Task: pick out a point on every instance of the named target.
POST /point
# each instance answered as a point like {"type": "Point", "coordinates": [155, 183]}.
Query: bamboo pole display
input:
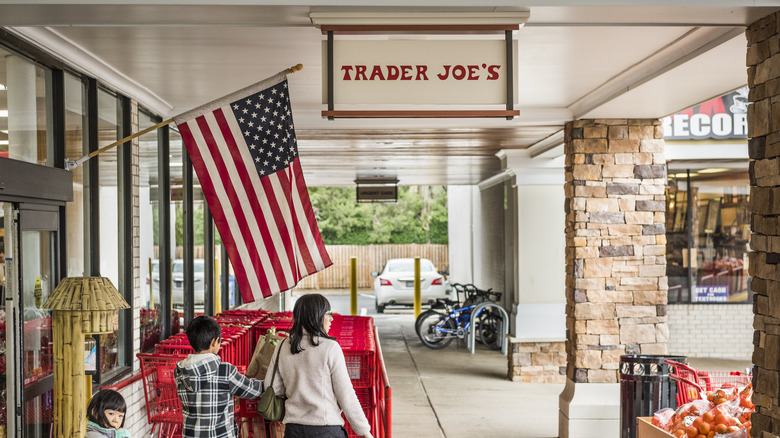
{"type": "Point", "coordinates": [80, 305]}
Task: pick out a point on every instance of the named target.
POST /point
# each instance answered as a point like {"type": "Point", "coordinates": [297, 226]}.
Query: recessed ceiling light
{"type": "Point", "coordinates": [714, 170]}
{"type": "Point", "coordinates": [2, 87]}
{"type": "Point", "coordinates": [683, 175]}
{"type": "Point", "coordinates": [3, 142]}
{"type": "Point", "coordinates": [3, 113]}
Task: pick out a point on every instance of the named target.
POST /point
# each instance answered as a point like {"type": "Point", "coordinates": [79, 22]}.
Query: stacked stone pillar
{"type": "Point", "coordinates": [616, 282]}
{"type": "Point", "coordinates": [763, 61]}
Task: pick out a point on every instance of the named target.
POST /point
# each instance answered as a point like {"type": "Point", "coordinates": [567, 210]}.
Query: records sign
{"type": "Point", "coordinates": [720, 118]}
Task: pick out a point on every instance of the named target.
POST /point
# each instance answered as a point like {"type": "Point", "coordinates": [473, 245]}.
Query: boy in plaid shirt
{"type": "Point", "coordinates": [206, 385]}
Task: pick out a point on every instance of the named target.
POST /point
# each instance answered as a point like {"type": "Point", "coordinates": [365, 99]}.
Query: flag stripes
{"type": "Point", "coordinates": [252, 180]}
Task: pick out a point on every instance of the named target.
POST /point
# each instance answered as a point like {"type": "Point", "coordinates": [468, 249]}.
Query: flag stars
{"type": "Point", "coordinates": [266, 123]}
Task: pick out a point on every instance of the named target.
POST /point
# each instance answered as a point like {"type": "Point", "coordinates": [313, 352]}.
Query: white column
{"type": "Point", "coordinates": [541, 244]}
{"type": "Point", "coordinates": [460, 213]}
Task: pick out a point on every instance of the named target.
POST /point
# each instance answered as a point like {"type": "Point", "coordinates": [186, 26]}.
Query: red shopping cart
{"type": "Point", "coordinates": [692, 384]}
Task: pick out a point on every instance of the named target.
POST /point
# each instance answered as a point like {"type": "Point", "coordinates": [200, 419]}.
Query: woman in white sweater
{"type": "Point", "coordinates": [313, 376]}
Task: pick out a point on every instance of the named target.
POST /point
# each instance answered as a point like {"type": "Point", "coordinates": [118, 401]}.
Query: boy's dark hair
{"type": "Point", "coordinates": [201, 331]}
{"type": "Point", "coordinates": [308, 312]}
{"type": "Point", "coordinates": [105, 399]}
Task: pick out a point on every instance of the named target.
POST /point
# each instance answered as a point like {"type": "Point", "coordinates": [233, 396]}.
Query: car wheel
{"type": "Point", "coordinates": [380, 308]}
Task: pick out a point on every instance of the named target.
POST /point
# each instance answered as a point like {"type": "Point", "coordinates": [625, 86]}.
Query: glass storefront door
{"type": "Point", "coordinates": [31, 241]}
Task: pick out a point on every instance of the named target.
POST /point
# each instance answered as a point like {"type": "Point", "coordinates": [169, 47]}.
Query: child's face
{"type": "Point", "coordinates": [114, 418]}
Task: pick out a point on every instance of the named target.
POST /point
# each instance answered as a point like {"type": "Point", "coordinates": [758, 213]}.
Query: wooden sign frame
{"type": "Point", "coordinates": [331, 113]}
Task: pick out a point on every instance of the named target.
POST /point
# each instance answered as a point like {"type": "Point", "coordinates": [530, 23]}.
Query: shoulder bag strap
{"type": "Point", "coordinates": [276, 364]}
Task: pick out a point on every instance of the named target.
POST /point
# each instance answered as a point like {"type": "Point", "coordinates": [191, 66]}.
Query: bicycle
{"type": "Point", "coordinates": [446, 319]}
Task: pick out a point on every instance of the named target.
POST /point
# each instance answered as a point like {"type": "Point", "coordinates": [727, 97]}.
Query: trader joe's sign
{"type": "Point", "coordinates": [419, 72]}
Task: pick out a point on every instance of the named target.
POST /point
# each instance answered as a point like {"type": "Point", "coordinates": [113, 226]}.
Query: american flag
{"type": "Point", "coordinates": [244, 151]}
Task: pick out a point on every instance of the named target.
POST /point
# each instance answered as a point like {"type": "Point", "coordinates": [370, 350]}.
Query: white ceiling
{"type": "Point", "coordinates": [577, 58]}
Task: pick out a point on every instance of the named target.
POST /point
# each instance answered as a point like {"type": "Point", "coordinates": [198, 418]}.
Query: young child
{"type": "Point", "coordinates": [206, 385]}
{"type": "Point", "coordinates": [106, 415]}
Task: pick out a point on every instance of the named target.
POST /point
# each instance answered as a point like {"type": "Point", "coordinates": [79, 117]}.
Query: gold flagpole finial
{"type": "Point", "coordinates": [293, 69]}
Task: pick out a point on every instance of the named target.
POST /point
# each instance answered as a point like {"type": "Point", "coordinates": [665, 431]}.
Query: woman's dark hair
{"type": "Point", "coordinates": [308, 314]}
{"type": "Point", "coordinates": [105, 399]}
{"type": "Point", "coordinates": [202, 331]}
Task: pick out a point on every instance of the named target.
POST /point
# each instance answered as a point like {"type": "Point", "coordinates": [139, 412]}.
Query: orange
{"type": "Point", "coordinates": [691, 431]}
{"type": "Point", "coordinates": [704, 428]}
{"type": "Point", "coordinates": [680, 433]}
{"type": "Point", "coordinates": [720, 428]}
{"type": "Point", "coordinates": [708, 417]}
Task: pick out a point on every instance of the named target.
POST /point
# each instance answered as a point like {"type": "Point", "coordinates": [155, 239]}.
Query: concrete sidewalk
{"type": "Point", "coordinates": [451, 393]}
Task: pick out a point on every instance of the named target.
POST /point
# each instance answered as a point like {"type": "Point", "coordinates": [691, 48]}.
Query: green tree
{"type": "Point", "coordinates": [419, 216]}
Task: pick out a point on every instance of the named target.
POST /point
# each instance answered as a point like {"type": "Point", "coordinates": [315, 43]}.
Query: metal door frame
{"type": "Point", "coordinates": [24, 216]}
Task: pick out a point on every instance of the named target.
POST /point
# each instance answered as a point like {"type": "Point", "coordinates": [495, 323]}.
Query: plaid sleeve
{"type": "Point", "coordinates": [242, 386]}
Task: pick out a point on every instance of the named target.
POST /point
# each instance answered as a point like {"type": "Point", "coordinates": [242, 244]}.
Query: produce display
{"type": "Point", "coordinates": [723, 413]}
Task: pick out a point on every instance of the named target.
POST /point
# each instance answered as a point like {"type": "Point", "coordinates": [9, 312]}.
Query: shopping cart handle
{"type": "Point", "coordinates": [678, 378]}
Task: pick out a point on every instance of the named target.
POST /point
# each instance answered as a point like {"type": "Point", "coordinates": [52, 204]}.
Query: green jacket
{"type": "Point", "coordinates": [95, 431]}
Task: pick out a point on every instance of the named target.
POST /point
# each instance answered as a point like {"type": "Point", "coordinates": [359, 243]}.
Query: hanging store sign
{"type": "Point", "coordinates": [419, 72]}
{"type": "Point", "coordinates": [419, 77]}
{"type": "Point", "coordinates": [377, 194]}
{"type": "Point", "coordinates": [719, 118]}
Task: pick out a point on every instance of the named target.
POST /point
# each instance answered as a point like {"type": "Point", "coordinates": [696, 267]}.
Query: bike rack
{"type": "Point", "coordinates": [471, 337]}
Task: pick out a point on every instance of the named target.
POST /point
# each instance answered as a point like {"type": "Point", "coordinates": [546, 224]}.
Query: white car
{"type": "Point", "coordinates": [395, 284]}
{"type": "Point", "coordinates": [177, 292]}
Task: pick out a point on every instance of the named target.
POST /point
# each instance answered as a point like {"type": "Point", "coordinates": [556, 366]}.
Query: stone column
{"type": "Point", "coordinates": [616, 280]}
{"type": "Point", "coordinates": [763, 115]}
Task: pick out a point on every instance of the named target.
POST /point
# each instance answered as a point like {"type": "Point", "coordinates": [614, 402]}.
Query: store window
{"type": "Point", "coordinates": [23, 114]}
{"type": "Point", "coordinates": [150, 267]}
{"type": "Point", "coordinates": [108, 132]}
{"type": "Point", "coordinates": [75, 112]}
{"type": "Point", "coordinates": [707, 238]}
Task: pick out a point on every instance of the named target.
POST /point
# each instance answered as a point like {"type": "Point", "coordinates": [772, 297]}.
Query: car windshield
{"type": "Point", "coordinates": [178, 266]}
{"type": "Point", "coordinates": [408, 266]}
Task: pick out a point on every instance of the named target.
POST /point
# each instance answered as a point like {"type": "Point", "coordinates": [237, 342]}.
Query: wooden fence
{"type": "Point", "coordinates": [369, 258]}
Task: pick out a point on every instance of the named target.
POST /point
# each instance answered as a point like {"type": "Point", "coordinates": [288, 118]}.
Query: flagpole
{"type": "Point", "coordinates": [70, 165]}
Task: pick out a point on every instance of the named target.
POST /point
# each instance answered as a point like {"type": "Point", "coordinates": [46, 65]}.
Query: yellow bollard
{"type": "Point", "coordinates": [353, 286]}
{"type": "Point", "coordinates": [151, 285]}
{"type": "Point", "coordinates": [217, 299]}
{"type": "Point", "coordinates": [417, 296]}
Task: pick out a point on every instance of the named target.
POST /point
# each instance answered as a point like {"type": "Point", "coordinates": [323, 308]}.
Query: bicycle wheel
{"type": "Point", "coordinates": [428, 327]}
{"type": "Point", "coordinates": [489, 329]}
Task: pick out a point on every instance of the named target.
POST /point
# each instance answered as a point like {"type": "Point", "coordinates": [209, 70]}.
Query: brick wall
{"type": "Point", "coordinates": [763, 61]}
{"type": "Point", "coordinates": [721, 331]}
{"type": "Point", "coordinates": [616, 280]}
{"type": "Point", "coordinates": [136, 421]}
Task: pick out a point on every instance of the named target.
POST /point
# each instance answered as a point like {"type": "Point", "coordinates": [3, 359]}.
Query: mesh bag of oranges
{"type": "Point", "coordinates": [723, 413]}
